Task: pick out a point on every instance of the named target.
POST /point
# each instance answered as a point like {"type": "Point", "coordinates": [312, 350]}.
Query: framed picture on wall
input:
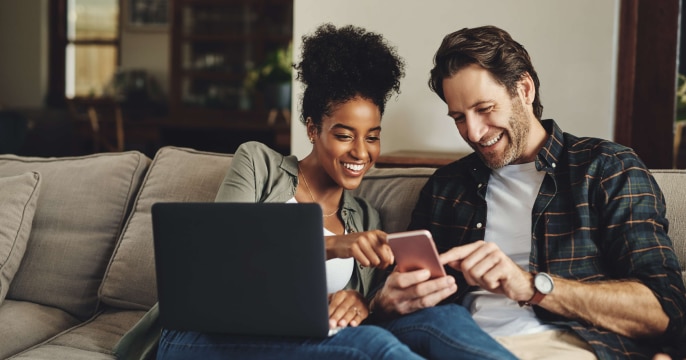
{"type": "Point", "coordinates": [146, 15]}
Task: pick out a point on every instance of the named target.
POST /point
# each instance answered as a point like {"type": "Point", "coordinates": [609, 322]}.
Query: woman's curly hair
{"type": "Point", "coordinates": [339, 64]}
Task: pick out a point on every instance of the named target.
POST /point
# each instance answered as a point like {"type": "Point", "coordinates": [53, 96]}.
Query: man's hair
{"type": "Point", "coordinates": [339, 64]}
{"type": "Point", "coordinates": [491, 48]}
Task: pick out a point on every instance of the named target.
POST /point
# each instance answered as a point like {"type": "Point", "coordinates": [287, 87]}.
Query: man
{"type": "Point", "coordinates": [558, 244]}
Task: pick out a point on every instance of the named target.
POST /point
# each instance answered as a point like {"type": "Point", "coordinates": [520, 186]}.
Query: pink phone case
{"type": "Point", "coordinates": [414, 250]}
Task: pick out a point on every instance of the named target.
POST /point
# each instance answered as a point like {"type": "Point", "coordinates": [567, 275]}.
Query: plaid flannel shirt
{"type": "Point", "coordinates": [599, 215]}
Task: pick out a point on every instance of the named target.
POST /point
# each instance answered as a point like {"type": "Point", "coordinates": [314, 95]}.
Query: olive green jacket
{"type": "Point", "coordinates": [260, 174]}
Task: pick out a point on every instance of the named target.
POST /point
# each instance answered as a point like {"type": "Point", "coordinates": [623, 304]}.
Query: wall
{"type": "Point", "coordinates": [23, 53]}
{"type": "Point", "coordinates": [573, 45]}
{"type": "Point", "coordinates": [148, 50]}
{"type": "Point", "coordinates": [24, 47]}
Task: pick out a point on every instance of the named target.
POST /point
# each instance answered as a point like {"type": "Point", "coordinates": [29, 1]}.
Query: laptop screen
{"type": "Point", "coordinates": [241, 268]}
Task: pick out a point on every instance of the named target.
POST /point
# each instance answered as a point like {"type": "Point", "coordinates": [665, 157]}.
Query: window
{"type": "Point", "coordinates": [84, 47]}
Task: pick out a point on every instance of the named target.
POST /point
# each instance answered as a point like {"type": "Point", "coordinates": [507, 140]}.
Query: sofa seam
{"type": "Point", "coordinates": [47, 341]}
{"type": "Point", "coordinates": [23, 216]}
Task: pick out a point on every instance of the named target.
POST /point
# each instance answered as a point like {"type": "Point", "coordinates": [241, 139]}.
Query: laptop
{"type": "Point", "coordinates": [241, 268]}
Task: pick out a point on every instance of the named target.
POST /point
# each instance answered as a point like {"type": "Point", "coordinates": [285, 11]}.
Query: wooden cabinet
{"type": "Point", "coordinates": [214, 44]}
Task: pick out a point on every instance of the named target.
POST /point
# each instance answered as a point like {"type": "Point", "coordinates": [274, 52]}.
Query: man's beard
{"type": "Point", "coordinates": [517, 134]}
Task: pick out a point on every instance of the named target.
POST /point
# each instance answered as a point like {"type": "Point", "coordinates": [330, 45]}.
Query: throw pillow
{"type": "Point", "coordinates": [18, 197]}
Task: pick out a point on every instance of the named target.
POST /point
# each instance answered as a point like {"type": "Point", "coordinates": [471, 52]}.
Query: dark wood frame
{"type": "Point", "coordinates": [57, 45]}
{"type": "Point", "coordinates": [57, 41]}
{"type": "Point", "coordinates": [127, 9]}
{"type": "Point", "coordinates": [646, 79]}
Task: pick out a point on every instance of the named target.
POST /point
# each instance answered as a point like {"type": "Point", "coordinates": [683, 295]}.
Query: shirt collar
{"type": "Point", "coordinates": [290, 165]}
{"type": "Point", "coordinates": [549, 155]}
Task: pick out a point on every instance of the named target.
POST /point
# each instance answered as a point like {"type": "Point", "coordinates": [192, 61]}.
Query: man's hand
{"type": "Point", "coordinates": [369, 248]}
{"type": "Point", "coordinates": [407, 292]}
{"type": "Point", "coordinates": [486, 265]}
{"type": "Point", "coordinates": [609, 304]}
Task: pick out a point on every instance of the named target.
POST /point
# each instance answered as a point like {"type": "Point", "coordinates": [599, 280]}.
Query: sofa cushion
{"type": "Point", "coordinates": [24, 324]}
{"type": "Point", "coordinates": [176, 174]}
{"type": "Point", "coordinates": [82, 206]}
{"type": "Point", "coordinates": [394, 193]}
{"type": "Point", "coordinates": [671, 183]}
{"type": "Point", "coordinates": [90, 340]}
{"type": "Point", "coordinates": [18, 196]}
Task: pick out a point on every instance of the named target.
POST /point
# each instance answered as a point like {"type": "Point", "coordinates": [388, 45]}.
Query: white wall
{"type": "Point", "coordinates": [147, 50]}
{"type": "Point", "coordinates": [23, 53]}
{"type": "Point", "coordinates": [573, 45]}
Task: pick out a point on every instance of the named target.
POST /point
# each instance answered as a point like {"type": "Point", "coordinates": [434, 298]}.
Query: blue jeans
{"type": "Point", "coordinates": [441, 332]}
{"type": "Point", "coordinates": [446, 332]}
{"type": "Point", "coordinates": [364, 342]}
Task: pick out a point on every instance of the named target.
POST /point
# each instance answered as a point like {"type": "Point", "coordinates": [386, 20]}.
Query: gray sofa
{"type": "Point", "coordinates": [76, 257]}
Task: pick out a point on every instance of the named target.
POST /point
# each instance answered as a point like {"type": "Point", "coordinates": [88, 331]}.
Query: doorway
{"type": "Point", "coordinates": [646, 79]}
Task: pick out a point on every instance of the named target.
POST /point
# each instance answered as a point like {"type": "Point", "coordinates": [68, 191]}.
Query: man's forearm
{"type": "Point", "coordinates": [627, 307]}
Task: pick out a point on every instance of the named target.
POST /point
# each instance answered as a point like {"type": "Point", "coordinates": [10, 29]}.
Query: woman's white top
{"type": "Point", "coordinates": [338, 271]}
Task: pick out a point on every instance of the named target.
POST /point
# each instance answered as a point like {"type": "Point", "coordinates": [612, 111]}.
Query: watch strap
{"type": "Point", "coordinates": [536, 298]}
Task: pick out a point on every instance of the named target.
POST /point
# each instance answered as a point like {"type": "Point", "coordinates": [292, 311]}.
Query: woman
{"type": "Point", "coordinates": [349, 74]}
{"type": "Point", "coordinates": [341, 109]}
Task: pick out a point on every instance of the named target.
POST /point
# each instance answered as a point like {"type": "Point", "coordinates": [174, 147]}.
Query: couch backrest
{"type": "Point", "coordinates": [82, 206]}
{"type": "Point", "coordinates": [673, 185]}
{"type": "Point", "coordinates": [176, 174]}
{"type": "Point", "coordinates": [394, 192]}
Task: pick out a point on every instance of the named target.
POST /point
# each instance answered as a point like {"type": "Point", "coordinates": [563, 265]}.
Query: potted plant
{"type": "Point", "coordinates": [680, 125]}
{"type": "Point", "coordinates": [681, 98]}
{"type": "Point", "coordinates": [273, 78]}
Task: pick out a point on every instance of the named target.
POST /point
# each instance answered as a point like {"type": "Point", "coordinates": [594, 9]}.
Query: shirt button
{"type": "Point", "coordinates": [480, 186]}
{"type": "Point", "coordinates": [553, 165]}
{"type": "Point", "coordinates": [478, 225]}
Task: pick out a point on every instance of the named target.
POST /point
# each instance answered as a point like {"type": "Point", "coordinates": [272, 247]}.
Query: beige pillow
{"type": "Point", "coordinates": [18, 196]}
{"type": "Point", "coordinates": [177, 175]}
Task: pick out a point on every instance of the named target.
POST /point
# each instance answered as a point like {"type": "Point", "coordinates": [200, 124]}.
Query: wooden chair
{"type": "Point", "coordinates": [679, 161]}
{"type": "Point", "coordinates": [105, 122]}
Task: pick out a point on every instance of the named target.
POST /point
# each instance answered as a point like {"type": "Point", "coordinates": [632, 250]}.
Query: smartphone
{"type": "Point", "coordinates": [414, 250]}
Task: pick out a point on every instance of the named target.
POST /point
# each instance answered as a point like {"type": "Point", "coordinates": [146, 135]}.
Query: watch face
{"type": "Point", "coordinates": [543, 283]}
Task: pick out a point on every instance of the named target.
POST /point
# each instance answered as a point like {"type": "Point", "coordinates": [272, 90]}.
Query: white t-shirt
{"type": "Point", "coordinates": [338, 271]}
{"type": "Point", "coordinates": [510, 197]}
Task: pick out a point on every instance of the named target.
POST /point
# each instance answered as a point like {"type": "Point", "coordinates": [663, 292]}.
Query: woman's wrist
{"type": "Point", "coordinates": [329, 247]}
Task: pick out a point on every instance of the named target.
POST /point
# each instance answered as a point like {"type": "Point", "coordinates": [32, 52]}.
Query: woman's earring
{"type": "Point", "coordinates": [311, 140]}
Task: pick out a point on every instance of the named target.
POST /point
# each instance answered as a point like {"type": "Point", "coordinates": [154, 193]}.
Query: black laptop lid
{"type": "Point", "coordinates": [241, 268]}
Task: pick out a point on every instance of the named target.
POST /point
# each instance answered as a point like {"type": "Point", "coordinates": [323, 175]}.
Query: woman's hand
{"type": "Point", "coordinates": [347, 308]}
{"type": "Point", "coordinates": [369, 248]}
